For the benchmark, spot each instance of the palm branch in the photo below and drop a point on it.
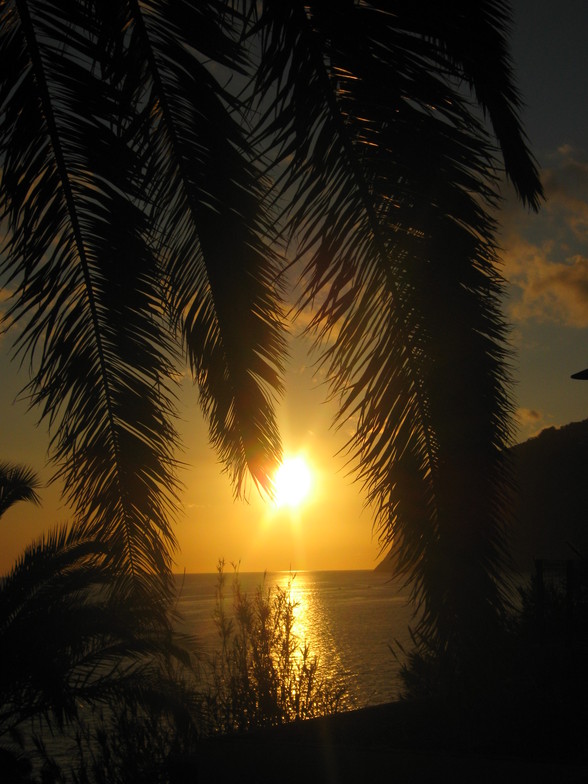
(133, 205)
(17, 483)
(222, 273)
(132, 219)
(67, 639)
(390, 180)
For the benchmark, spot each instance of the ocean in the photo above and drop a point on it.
(350, 619)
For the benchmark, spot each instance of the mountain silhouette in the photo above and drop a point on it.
(550, 513)
(550, 502)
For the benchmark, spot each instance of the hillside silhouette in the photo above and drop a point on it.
(550, 516)
(550, 503)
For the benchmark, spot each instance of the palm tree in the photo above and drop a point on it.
(147, 151)
(70, 645)
(391, 185)
(68, 641)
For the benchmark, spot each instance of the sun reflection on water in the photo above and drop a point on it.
(350, 620)
(311, 624)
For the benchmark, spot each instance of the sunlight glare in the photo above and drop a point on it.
(292, 482)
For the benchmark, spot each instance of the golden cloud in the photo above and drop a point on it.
(531, 422)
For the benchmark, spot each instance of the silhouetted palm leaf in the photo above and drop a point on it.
(214, 239)
(17, 483)
(390, 179)
(132, 209)
(67, 640)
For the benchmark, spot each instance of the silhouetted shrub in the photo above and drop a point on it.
(131, 744)
(263, 674)
(530, 692)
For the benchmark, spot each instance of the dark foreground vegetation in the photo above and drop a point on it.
(524, 719)
(116, 694)
(155, 712)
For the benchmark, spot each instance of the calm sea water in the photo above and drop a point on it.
(349, 618)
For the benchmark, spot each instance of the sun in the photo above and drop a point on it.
(292, 482)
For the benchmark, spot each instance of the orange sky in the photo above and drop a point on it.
(331, 530)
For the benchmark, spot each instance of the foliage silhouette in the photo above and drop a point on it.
(393, 180)
(134, 235)
(17, 483)
(153, 157)
(533, 694)
(154, 742)
(70, 645)
(263, 675)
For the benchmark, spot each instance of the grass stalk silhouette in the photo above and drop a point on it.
(264, 674)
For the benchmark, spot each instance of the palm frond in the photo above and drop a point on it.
(137, 212)
(17, 483)
(392, 182)
(212, 230)
(474, 37)
(99, 645)
(134, 213)
(89, 286)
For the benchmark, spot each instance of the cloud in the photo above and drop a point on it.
(531, 422)
(546, 255)
(548, 290)
(529, 417)
(566, 186)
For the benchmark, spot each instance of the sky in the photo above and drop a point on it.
(545, 261)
